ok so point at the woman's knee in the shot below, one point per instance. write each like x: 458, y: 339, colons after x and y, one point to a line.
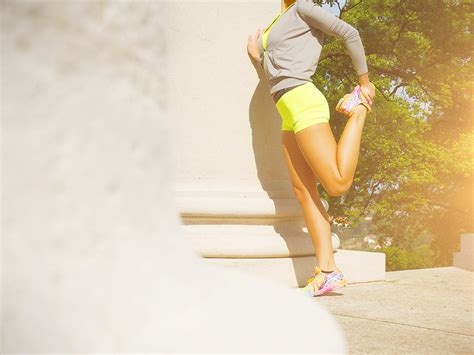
x: 337, y: 187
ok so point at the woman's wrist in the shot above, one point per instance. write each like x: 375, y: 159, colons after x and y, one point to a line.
x: 364, y: 78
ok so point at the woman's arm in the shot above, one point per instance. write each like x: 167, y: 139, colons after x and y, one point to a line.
x: 315, y: 16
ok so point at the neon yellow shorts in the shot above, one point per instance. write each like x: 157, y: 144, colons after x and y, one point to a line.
x: 302, y: 107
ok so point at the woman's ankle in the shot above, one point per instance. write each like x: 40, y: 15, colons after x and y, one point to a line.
x: 327, y: 267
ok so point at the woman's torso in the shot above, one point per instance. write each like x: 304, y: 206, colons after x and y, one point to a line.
x: 292, y: 50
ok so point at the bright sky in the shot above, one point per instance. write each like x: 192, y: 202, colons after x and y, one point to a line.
x: 334, y: 9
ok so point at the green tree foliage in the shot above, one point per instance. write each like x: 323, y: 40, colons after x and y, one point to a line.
x: 417, y: 258
x: 415, y: 168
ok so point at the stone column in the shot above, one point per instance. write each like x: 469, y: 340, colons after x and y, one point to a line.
x: 233, y: 188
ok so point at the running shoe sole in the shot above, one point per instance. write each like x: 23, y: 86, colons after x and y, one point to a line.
x: 331, y: 287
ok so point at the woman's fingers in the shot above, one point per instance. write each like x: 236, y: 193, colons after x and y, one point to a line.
x: 254, y: 37
x: 369, y: 93
x: 369, y: 99
x: 252, y: 45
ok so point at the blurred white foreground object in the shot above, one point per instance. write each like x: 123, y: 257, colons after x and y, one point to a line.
x: 93, y: 255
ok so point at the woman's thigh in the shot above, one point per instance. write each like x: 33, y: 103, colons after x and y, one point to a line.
x: 305, y: 111
x: 319, y: 149
x: 302, y: 176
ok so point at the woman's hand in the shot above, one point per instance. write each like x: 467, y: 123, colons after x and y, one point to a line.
x: 252, y: 46
x: 367, y: 88
x: 368, y: 91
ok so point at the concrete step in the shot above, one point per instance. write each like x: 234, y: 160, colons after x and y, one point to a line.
x: 288, y: 239
x: 264, y: 233
x: 357, y: 266
x: 463, y: 261
x: 464, y: 258
x: 467, y: 243
x: 237, y: 201
x: 282, y: 252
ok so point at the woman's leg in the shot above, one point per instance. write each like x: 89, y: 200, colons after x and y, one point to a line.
x: 333, y: 163
x: 303, y: 181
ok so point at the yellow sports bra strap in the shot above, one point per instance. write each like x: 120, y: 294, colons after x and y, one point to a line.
x: 265, y: 33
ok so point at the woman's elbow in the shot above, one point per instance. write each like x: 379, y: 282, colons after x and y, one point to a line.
x: 351, y: 35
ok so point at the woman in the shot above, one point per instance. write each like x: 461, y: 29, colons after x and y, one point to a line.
x: 288, y: 51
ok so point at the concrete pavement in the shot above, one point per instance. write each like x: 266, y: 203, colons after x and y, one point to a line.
x: 412, y: 311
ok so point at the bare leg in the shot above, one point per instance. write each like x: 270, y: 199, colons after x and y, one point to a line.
x: 303, y: 182
x: 334, y: 163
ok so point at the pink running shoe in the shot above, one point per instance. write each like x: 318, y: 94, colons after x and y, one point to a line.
x: 321, y: 283
x: 347, y: 103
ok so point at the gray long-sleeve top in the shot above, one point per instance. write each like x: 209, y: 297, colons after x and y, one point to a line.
x: 295, y: 42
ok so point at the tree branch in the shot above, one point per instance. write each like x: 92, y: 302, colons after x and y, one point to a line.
x: 393, y: 72
x: 331, y: 54
x: 374, y: 186
x: 339, y: 7
x: 396, y: 88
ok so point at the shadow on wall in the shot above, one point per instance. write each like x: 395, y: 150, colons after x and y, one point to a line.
x: 287, y: 219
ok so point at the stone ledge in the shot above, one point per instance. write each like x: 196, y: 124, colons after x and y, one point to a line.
x: 357, y: 266
x: 237, y: 203
x: 464, y: 258
x: 242, y: 240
